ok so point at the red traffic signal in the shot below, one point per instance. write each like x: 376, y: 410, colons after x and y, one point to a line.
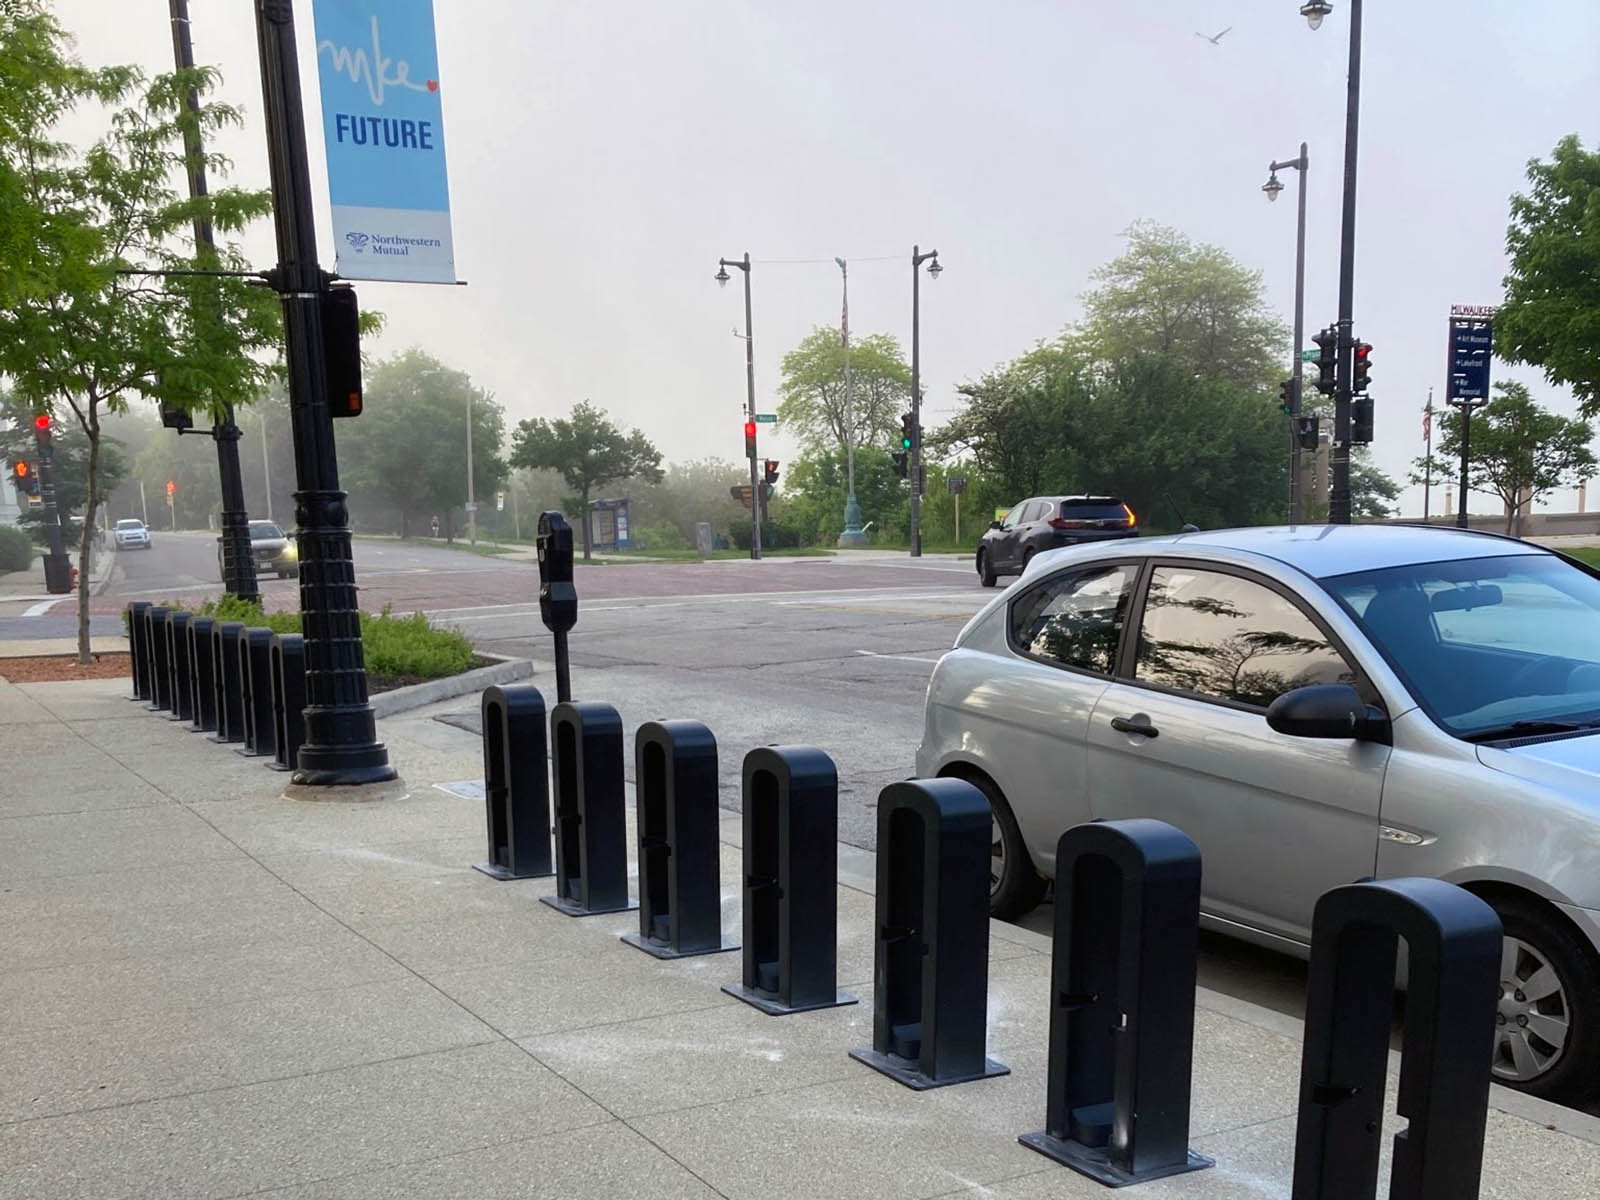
x: 1363, y: 368
x: 749, y: 439
x: 20, y: 469
x: 171, y: 487
x: 770, y: 470
x: 42, y: 422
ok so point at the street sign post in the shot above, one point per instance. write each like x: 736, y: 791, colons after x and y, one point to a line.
x: 1471, y: 341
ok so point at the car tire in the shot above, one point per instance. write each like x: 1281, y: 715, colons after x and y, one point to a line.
x: 986, y: 575
x: 1015, y: 888
x: 1537, y: 940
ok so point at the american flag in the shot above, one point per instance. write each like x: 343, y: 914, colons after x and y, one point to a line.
x: 1427, y: 419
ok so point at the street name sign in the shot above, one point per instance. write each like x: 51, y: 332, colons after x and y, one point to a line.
x: 1471, y: 343
x: 383, y: 129
x: 766, y: 418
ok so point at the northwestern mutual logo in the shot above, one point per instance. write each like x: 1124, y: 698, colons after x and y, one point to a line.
x: 389, y: 244
x: 358, y: 241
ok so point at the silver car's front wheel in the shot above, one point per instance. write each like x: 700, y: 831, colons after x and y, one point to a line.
x: 1534, y: 1015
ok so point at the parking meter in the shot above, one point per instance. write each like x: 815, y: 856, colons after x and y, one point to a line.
x: 558, y: 598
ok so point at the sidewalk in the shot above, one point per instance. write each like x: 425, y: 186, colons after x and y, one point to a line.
x: 213, y: 991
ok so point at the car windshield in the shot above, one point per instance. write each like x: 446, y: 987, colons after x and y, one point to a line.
x: 1489, y: 646
x: 130, y: 524
x: 265, y: 529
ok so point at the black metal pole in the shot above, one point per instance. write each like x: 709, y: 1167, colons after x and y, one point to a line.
x: 1339, y: 496
x: 750, y: 388
x: 341, y: 745
x: 57, y: 565
x: 563, y: 667
x: 1466, y: 451
x: 1296, y: 503
x: 238, y: 566
x: 916, y: 402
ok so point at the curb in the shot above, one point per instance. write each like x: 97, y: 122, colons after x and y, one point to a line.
x: 503, y: 670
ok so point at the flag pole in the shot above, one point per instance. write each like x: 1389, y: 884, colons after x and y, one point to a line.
x: 1427, y: 455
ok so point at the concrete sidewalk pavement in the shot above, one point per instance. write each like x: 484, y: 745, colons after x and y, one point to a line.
x: 214, y: 991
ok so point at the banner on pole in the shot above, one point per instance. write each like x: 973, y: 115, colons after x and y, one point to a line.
x: 383, y: 125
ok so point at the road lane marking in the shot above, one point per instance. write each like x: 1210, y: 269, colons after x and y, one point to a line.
x: 901, y: 657
x: 44, y: 606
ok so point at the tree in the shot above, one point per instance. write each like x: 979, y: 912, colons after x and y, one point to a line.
x: 1372, y: 493
x: 1518, y: 451
x: 69, y: 462
x: 1550, y: 317
x: 1168, y: 297
x: 589, y: 452
x: 77, y: 337
x: 412, y: 452
x: 815, y: 404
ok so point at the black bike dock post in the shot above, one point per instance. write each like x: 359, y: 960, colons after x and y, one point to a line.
x: 255, y: 691
x: 931, y: 959
x: 791, y: 881
x: 134, y: 614
x: 1453, y: 942
x: 1122, y: 977
x: 516, y: 783
x: 288, y: 699
x: 201, y: 682
x: 225, y: 681
x: 590, y: 825
x: 178, y: 664
x: 680, y: 877
x: 157, y: 660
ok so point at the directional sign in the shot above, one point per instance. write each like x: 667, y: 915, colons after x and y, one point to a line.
x: 766, y: 418
x: 1312, y: 355
x: 1471, y: 340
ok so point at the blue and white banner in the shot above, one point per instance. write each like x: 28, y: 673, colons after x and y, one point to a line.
x: 383, y: 122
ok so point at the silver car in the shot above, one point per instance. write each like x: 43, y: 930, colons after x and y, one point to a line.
x: 130, y: 532
x: 1312, y: 705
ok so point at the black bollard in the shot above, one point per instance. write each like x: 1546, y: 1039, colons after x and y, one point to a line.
x: 201, y: 683
x: 178, y: 656
x: 255, y: 692
x: 791, y: 881
x: 1122, y: 976
x: 516, y: 783
x: 590, y: 827
x: 158, y: 662
x: 931, y: 960
x: 288, y: 699
x: 226, y: 699
x: 1453, y: 940
x: 680, y: 884
x: 138, y: 648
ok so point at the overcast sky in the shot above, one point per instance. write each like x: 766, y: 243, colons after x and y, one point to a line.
x: 603, y: 154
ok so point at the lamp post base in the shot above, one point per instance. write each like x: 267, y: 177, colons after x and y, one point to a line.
x: 853, y: 534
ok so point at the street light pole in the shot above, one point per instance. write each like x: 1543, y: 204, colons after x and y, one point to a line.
x: 341, y: 745
x: 917, y: 259
x: 750, y: 391
x: 238, y: 564
x: 1339, y: 496
x: 853, y: 534
x: 472, y: 499
x: 1272, y: 187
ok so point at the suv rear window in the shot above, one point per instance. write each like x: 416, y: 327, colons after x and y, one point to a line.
x: 1094, y: 510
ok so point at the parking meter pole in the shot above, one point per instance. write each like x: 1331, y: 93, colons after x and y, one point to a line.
x: 558, y: 598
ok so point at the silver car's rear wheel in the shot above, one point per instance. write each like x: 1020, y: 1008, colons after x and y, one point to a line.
x: 997, y: 855
x: 1534, y: 1015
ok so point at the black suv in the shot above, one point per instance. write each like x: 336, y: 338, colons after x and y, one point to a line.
x: 1046, y: 522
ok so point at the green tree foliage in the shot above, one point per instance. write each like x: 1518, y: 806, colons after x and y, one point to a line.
x: 812, y: 504
x: 410, y: 452
x: 77, y: 339
x: 1166, y: 296
x: 819, y: 410
x: 589, y: 451
x: 1517, y: 451
x: 1551, y: 313
x: 689, y: 493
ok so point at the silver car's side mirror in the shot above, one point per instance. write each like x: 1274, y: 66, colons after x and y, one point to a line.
x: 1328, y: 710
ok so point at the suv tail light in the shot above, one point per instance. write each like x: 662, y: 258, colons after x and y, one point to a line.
x: 1063, y: 523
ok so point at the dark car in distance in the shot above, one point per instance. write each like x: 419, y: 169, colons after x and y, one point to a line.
x: 1046, y: 523
x: 271, y: 548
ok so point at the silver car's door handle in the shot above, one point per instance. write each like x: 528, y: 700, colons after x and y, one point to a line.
x: 1137, y: 724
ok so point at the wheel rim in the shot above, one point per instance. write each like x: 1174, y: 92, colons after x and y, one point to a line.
x: 1533, y: 1018
x: 997, y: 855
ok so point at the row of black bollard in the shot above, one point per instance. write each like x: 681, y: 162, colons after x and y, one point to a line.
x: 237, y: 683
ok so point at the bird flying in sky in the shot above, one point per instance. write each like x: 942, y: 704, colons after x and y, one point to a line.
x: 1218, y: 38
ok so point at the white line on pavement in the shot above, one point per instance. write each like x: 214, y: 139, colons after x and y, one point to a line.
x: 845, y: 595
x: 901, y: 657
x: 44, y: 606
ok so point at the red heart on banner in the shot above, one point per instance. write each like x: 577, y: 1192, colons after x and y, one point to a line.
x: 433, y: 85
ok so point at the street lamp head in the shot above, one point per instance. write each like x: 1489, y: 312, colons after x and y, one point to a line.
x: 1272, y: 186
x: 722, y: 275
x: 934, y: 268
x: 1314, y: 10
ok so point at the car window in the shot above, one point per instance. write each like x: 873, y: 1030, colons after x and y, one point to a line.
x: 1014, y: 517
x: 265, y: 529
x: 130, y: 525
x: 1230, y: 638
x: 1075, y: 620
x: 1094, y: 510
x: 1032, y: 511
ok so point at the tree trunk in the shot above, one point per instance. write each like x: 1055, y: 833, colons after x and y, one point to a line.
x: 583, y: 520
x: 86, y: 535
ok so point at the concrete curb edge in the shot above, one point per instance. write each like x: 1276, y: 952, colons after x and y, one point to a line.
x: 502, y: 670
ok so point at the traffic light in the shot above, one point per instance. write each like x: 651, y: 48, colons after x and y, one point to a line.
x: 1307, y: 432
x: 43, y: 435
x: 172, y: 489
x: 900, y: 457
x: 749, y: 439
x: 907, y: 432
x: 24, y: 477
x: 1361, y: 420
x: 1327, y: 354
x: 1286, y: 396
x: 341, y: 351
x: 770, y: 469
x: 1363, y: 369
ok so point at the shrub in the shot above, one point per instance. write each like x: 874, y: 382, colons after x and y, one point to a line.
x: 248, y: 612
x: 16, y: 550
x: 410, y: 646
x: 659, y: 535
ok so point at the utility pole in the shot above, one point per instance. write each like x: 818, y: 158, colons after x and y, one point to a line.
x: 341, y: 745
x: 1427, y: 456
x: 472, y: 499
x: 144, y: 509
x: 57, y: 565
x: 238, y: 565
x: 1302, y: 164
x: 1339, y: 497
x: 722, y: 278
x: 917, y: 259
x: 266, y: 464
